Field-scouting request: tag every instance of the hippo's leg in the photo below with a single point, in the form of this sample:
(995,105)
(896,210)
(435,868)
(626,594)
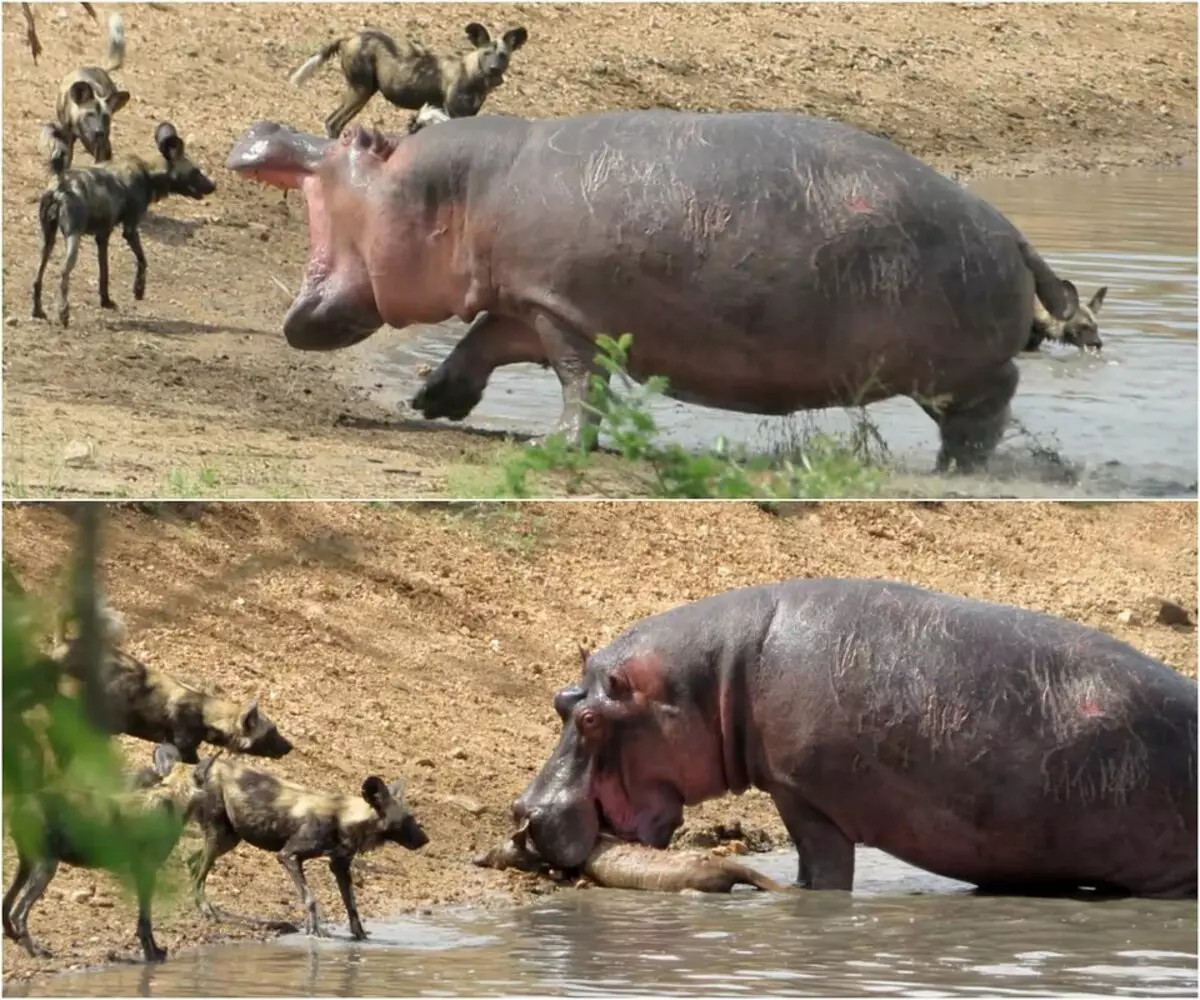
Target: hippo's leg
(573,358)
(973,422)
(826,854)
(456,386)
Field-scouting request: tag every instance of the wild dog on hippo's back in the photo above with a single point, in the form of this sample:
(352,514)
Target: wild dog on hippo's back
(150,704)
(297,824)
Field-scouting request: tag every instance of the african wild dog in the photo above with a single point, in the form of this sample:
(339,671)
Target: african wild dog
(239,803)
(93,201)
(1082,329)
(169,787)
(149,704)
(411,75)
(87,101)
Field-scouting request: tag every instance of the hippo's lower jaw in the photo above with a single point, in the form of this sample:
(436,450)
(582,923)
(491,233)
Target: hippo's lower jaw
(321,322)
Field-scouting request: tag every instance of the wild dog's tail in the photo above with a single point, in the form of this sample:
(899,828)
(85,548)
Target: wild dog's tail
(55,146)
(309,69)
(1058,295)
(116,42)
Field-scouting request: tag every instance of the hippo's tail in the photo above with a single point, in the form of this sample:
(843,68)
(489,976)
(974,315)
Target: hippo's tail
(309,69)
(1058,295)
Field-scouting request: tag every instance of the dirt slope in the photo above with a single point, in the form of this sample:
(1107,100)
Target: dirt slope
(193,390)
(427,643)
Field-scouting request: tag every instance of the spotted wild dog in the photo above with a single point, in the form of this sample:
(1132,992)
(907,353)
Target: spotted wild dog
(168,789)
(87,101)
(410,75)
(150,704)
(94,201)
(239,802)
(1082,329)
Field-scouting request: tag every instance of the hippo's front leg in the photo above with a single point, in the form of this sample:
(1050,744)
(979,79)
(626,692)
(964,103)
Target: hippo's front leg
(456,386)
(826,854)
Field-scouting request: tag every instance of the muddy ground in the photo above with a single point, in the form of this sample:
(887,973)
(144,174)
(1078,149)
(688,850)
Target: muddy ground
(426,641)
(193,391)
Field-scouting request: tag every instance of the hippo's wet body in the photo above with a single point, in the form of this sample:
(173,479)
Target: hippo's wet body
(1001,747)
(764,262)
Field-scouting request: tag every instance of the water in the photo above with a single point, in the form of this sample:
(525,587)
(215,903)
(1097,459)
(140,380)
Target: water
(902,933)
(1125,422)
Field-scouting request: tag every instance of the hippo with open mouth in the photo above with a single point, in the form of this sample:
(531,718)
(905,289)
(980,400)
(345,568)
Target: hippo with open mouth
(764,262)
(986,743)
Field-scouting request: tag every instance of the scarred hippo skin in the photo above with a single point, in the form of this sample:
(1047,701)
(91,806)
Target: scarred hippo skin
(616,864)
(1002,747)
(764,262)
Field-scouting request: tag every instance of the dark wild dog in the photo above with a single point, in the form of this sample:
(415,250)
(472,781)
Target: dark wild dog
(409,75)
(31,35)
(240,803)
(94,201)
(1082,329)
(87,101)
(169,790)
(150,704)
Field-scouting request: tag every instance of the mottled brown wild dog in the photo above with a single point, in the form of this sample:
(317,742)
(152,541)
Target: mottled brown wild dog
(240,803)
(409,75)
(150,704)
(168,788)
(1082,329)
(87,101)
(94,201)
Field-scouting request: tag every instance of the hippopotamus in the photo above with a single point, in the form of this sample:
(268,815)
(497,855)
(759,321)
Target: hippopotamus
(1002,747)
(763,262)
(617,864)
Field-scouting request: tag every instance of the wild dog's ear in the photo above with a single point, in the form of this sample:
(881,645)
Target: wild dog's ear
(201,771)
(81,92)
(117,100)
(249,718)
(514,38)
(396,789)
(171,146)
(1098,299)
(376,793)
(166,756)
(1072,294)
(478,35)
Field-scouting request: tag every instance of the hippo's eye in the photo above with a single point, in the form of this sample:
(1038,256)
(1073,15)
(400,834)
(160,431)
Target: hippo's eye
(588,720)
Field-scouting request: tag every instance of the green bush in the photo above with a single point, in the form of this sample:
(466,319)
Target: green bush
(813,466)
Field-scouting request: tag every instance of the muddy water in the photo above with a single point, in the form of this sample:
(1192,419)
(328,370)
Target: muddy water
(902,933)
(1123,424)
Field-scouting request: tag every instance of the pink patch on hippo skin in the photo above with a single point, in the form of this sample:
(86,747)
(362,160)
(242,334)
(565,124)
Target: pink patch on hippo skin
(858,204)
(1090,708)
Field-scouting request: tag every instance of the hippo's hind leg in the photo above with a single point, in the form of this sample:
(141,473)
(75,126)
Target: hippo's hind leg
(456,386)
(573,358)
(972,421)
(826,854)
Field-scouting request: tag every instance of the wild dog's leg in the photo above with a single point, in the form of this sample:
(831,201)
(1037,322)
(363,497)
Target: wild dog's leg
(219,839)
(14,890)
(151,952)
(134,239)
(39,881)
(64,282)
(102,258)
(352,103)
(339,864)
(310,841)
(49,236)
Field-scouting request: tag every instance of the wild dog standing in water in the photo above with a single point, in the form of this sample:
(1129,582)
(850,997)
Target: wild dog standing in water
(87,101)
(149,704)
(409,75)
(93,201)
(168,788)
(1082,329)
(241,803)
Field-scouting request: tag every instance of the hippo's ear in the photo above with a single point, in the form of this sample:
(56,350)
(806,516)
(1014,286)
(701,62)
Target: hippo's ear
(478,35)
(583,656)
(514,38)
(1098,299)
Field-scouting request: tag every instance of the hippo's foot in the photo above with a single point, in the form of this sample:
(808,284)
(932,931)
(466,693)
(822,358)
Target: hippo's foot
(973,422)
(445,394)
